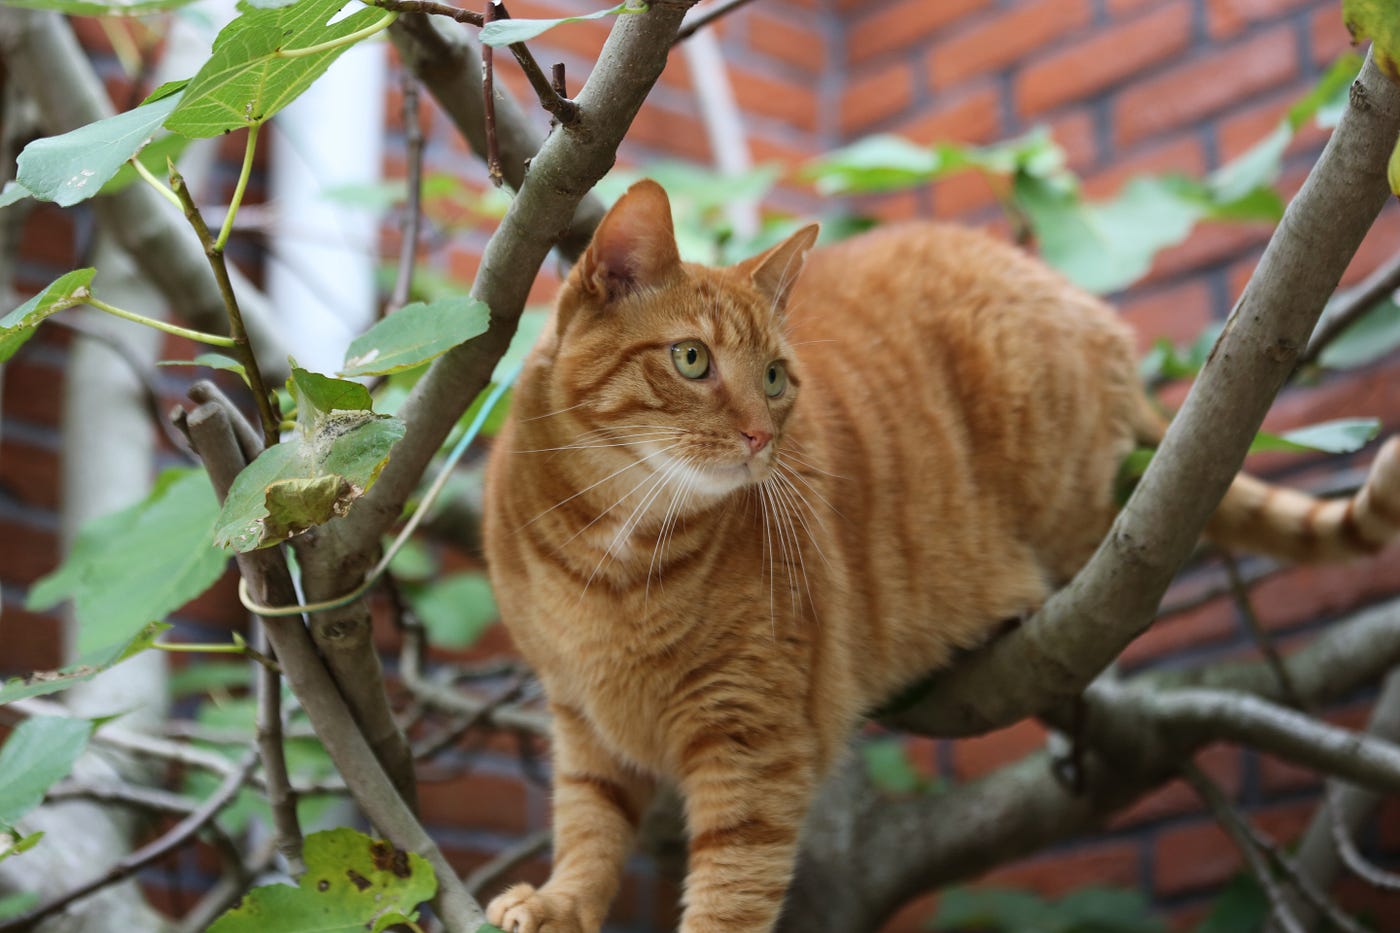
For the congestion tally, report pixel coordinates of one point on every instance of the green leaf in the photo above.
(1130, 471)
(12, 905)
(1331, 90)
(87, 667)
(350, 881)
(1107, 910)
(1379, 21)
(455, 610)
(140, 564)
(1242, 907)
(873, 164)
(1370, 337)
(510, 31)
(154, 157)
(1392, 169)
(1341, 436)
(39, 753)
(993, 909)
(66, 291)
(75, 166)
(213, 361)
(12, 844)
(891, 770)
(415, 334)
(13, 192)
(337, 452)
(210, 675)
(248, 77)
(92, 8)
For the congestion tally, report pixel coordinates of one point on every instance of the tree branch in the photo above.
(1088, 623)
(1344, 312)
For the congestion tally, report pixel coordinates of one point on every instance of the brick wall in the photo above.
(1126, 86)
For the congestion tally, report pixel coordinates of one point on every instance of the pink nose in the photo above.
(756, 439)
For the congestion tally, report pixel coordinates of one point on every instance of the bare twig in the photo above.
(559, 80)
(181, 834)
(1379, 285)
(550, 96)
(458, 702)
(413, 213)
(429, 7)
(1233, 823)
(704, 19)
(280, 796)
(1351, 857)
(131, 795)
(505, 861)
(488, 100)
(1240, 591)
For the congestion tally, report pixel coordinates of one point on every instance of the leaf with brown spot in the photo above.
(352, 883)
(1379, 21)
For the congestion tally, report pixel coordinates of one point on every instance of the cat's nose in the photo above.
(756, 439)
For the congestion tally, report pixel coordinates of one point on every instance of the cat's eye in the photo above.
(692, 359)
(775, 379)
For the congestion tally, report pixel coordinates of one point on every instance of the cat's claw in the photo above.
(522, 909)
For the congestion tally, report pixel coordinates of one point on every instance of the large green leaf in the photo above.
(350, 882)
(1341, 436)
(39, 752)
(1379, 21)
(415, 334)
(18, 326)
(89, 666)
(140, 564)
(335, 455)
(75, 166)
(510, 31)
(12, 905)
(249, 76)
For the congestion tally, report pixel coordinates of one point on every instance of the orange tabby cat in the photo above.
(732, 509)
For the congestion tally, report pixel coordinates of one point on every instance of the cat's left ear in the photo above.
(775, 270)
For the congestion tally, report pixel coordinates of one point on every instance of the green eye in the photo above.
(775, 379)
(692, 359)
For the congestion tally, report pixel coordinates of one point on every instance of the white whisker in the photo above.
(617, 472)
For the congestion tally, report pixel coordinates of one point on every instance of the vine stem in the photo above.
(216, 340)
(347, 39)
(270, 420)
(241, 187)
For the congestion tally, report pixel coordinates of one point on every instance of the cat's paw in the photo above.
(522, 909)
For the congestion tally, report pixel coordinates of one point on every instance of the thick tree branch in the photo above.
(1112, 600)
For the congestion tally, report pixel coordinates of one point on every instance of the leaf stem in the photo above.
(238, 190)
(149, 178)
(217, 340)
(239, 647)
(347, 39)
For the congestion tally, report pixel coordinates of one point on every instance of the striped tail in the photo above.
(1284, 523)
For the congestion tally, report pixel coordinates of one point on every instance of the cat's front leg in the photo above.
(746, 797)
(598, 803)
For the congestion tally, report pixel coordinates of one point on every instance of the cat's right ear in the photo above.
(634, 247)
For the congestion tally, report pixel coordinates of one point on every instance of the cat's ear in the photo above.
(774, 271)
(635, 245)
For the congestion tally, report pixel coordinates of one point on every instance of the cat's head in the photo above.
(684, 365)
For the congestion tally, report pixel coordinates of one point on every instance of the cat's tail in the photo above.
(1266, 519)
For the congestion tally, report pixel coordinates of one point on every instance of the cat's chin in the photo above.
(721, 479)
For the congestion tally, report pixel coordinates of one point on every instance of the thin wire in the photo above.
(426, 503)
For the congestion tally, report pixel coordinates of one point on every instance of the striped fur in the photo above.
(719, 617)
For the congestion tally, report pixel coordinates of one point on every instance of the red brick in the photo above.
(970, 117)
(1178, 313)
(475, 800)
(1305, 593)
(1004, 39)
(913, 917)
(1222, 763)
(898, 205)
(1181, 154)
(428, 110)
(1377, 247)
(1277, 776)
(875, 96)
(32, 642)
(584, 39)
(1241, 131)
(964, 194)
(1191, 92)
(218, 605)
(1192, 857)
(29, 473)
(1329, 34)
(787, 40)
(1122, 7)
(760, 94)
(1074, 132)
(1054, 875)
(676, 134)
(26, 552)
(33, 390)
(972, 758)
(902, 24)
(1210, 624)
(1226, 18)
(47, 236)
(1103, 59)
(1209, 243)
